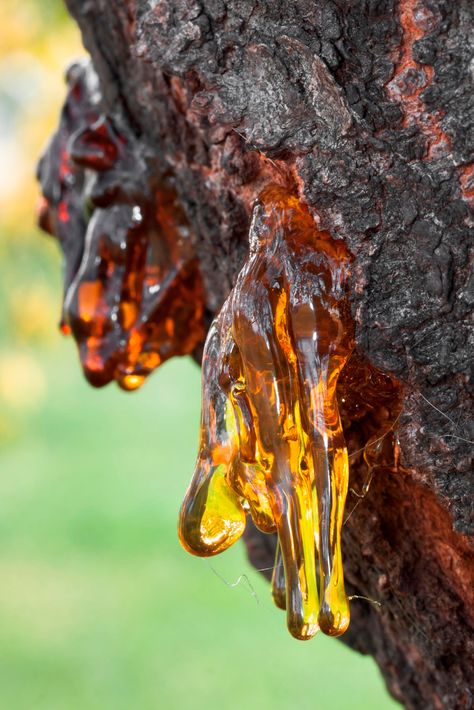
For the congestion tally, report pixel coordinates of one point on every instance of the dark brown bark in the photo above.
(365, 108)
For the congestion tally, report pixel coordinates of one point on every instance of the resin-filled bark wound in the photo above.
(133, 295)
(271, 437)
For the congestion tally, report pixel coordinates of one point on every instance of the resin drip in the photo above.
(137, 297)
(133, 295)
(271, 436)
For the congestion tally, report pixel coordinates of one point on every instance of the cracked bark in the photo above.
(366, 109)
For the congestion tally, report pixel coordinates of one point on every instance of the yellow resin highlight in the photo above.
(274, 354)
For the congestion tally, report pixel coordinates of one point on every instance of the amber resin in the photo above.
(133, 295)
(137, 297)
(271, 436)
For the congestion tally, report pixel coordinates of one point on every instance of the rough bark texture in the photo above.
(366, 109)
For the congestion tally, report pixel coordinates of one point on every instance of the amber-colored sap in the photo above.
(274, 355)
(133, 295)
(141, 306)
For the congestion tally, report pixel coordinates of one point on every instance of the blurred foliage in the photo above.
(100, 609)
(36, 38)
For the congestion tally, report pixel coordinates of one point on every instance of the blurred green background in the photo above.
(99, 606)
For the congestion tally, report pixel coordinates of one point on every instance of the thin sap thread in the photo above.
(249, 143)
(380, 438)
(360, 496)
(446, 416)
(366, 486)
(243, 579)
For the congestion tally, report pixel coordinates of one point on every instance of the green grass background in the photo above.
(99, 606)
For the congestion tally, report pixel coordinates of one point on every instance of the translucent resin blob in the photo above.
(133, 295)
(271, 441)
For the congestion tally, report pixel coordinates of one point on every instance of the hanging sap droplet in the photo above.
(132, 286)
(274, 354)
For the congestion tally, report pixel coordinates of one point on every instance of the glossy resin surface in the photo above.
(133, 295)
(271, 437)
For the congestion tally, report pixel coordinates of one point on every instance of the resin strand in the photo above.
(284, 338)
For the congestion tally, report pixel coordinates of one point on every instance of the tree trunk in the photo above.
(365, 108)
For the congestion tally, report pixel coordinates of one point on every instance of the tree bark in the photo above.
(365, 108)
